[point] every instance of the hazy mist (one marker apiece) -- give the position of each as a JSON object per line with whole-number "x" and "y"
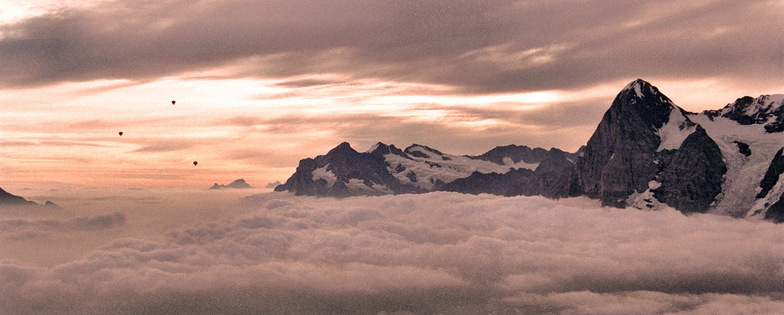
{"x": 188, "y": 251}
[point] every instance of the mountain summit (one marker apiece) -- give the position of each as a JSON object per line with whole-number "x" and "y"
{"x": 646, "y": 145}
{"x": 238, "y": 183}
{"x": 645, "y": 153}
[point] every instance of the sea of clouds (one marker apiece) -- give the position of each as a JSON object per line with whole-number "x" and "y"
{"x": 429, "y": 253}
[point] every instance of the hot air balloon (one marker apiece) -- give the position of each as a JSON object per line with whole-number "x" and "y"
{"x": 195, "y": 162}
{"x": 121, "y": 133}
{"x": 174, "y": 102}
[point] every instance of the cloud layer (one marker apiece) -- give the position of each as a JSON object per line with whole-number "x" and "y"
{"x": 478, "y": 47}
{"x": 431, "y": 253}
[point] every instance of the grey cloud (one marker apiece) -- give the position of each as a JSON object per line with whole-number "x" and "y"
{"x": 307, "y": 83}
{"x": 364, "y": 130}
{"x": 27, "y": 229}
{"x": 431, "y": 253}
{"x": 167, "y": 146}
{"x": 488, "y": 46}
{"x": 244, "y": 121}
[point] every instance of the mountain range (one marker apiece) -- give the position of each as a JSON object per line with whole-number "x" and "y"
{"x": 645, "y": 153}
{"x": 10, "y": 200}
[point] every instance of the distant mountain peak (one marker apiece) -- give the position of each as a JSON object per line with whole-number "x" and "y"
{"x": 343, "y": 147}
{"x": 238, "y": 183}
{"x": 637, "y": 86}
{"x": 7, "y": 198}
{"x": 381, "y": 149}
{"x": 767, "y": 110}
{"x": 642, "y": 99}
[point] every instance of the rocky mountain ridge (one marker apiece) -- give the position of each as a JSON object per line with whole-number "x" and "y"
{"x": 237, "y": 184}
{"x": 9, "y": 200}
{"x": 646, "y": 153}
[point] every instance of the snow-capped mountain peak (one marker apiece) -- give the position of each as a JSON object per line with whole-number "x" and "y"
{"x": 766, "y": 110}
{"x": 646, "y": 152}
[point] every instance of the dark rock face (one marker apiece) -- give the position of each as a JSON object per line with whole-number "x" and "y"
{"x": 619, "y": 156}
{"x": 743, "y": 148}
{"x": 692, "y": 178}
{"x": 514, "y": 152}
{"x": 623, "y": 155}
{"x": 515, "y": 182}
{"x": 771, "y": 177}
{"x": 776, "y": 211}
{"x": 554, "y": 174}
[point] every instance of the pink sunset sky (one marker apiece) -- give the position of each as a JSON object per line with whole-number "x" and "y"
{"x": 260, "y": 85}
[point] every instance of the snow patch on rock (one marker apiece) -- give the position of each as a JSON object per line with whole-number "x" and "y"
{"x": 645, "y": 200}
{"x": 441, "y": 167}
{"x": 741, "y": 182}
{"x": 323, "y": 173}
{"x": 675, "y": 131}
{"x": 356, "y": 184}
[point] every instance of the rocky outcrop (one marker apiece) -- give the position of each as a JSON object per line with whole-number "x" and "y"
{"x": 236, "y": 184}
{"x": 776, "y": 211}
{"x": 771, "y": 177}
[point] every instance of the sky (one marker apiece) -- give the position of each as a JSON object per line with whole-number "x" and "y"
{"x": 156, "y": 252}
{"x": 260, "y": 85}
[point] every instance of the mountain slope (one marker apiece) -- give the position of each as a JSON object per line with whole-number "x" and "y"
{"x": 749, "y": 146}
{"x": 646, "y": 144}
{"x": 645, "y": 153}
{"x": 8, "y": 199}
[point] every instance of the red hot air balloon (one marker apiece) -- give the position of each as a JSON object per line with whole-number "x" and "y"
{"x": 120, "y": 133}
{"x": 174, "y": 102}
{"x": 195, "y": 162}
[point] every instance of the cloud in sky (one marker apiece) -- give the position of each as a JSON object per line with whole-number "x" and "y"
{"x": 431, "y": 253}
{"x": 296, "y": 78}
{"x": 488, "y": 46}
